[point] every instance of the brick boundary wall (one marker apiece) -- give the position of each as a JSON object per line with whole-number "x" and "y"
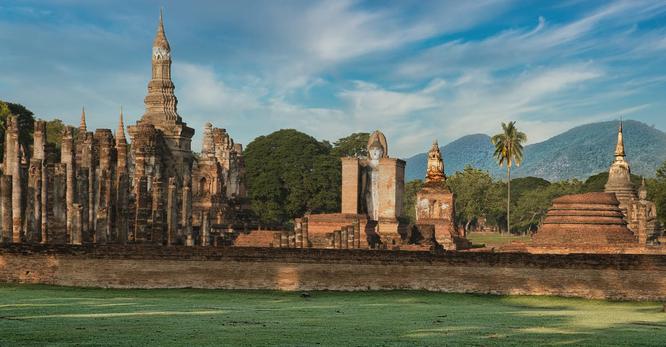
{"x": 609, "y": 276}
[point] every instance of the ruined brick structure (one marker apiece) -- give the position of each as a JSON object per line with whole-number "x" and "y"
{"x": 435, "y": 205}
{"x": 640, "y": 213}
{"x": 372, "y": 193}
{"x": 100, "y": 191}
{"x": 594, "y": 219}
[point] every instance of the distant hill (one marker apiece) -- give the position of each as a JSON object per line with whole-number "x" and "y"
{"x": 577, "y": 153}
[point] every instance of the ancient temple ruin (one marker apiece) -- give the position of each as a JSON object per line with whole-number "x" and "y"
{"x": 619, "y": 220}
{"x": 594, "y": 219}
{"x": 372, "y": 193}
{"x": 435, "y": 205}
{"x": 100, "y": 189}
{"x": 640, "y": 213}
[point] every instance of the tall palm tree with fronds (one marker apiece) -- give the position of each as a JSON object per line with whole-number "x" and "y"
{"x": 508, "y": 150}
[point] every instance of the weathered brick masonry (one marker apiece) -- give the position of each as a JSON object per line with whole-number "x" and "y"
{"x": 615, "y": 276}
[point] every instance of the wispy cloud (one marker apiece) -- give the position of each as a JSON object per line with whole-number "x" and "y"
{"x": 417, "y": 70}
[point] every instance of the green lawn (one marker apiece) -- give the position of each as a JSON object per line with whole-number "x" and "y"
{"x": 44, "y": 315}
{"x": 496, "y": 239}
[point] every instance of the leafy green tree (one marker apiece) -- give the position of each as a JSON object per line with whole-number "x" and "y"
{"x": 25, "y": 122}
{"x": 290, "y": 173}
{"x": 597, "y": 182}
{"x": 323, "y": 186}
{"x": 532, "y": 205}
{"x": 657, "y": 192}
{"x": 54, "y": 130}
{"x": 409, "y": 200}
{"x": 473, "y": 189}
{"x": 354, "y": 145}
{"x": 522, "y": 185}
{"x": 508, "y": 150}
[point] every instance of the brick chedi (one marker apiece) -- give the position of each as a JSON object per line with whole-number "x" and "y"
{"x": 619, "y": 175}
{"x": 435, "y": 205}
{"x": 161, "y": 111}
{"x": 101, "y": 189}
{"x": 639, "y": 213}
{"x": 590, "y": 219}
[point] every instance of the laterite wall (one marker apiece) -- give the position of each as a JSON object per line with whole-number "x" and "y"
{"x": 616, "y": 276}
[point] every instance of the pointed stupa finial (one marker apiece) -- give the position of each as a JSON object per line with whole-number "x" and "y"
{"x": 619, "y": 147}
{"x": 120, "y": 133}
{"x": 83, "y": 127}
{"x": 160, "y": 38}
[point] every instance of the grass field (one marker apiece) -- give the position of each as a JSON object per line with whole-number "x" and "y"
{"x": 495, "y": 239}
{"x": 44, "y": 315}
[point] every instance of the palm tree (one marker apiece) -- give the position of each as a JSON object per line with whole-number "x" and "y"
{"x": 509, "y": 150}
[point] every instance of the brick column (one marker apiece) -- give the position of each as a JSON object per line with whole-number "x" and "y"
{"x": 186, "y": 213}
{"x": 45, "y": 203}
{"x": 6, "y": 204}
{"x": 172, "y": 213}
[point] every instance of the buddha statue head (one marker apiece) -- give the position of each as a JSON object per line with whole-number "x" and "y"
{"x": 377, "y": 146}
{"x": 375, "y": 151}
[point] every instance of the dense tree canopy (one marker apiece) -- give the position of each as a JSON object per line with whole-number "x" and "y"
{"x": 409, "y": 199}
{"x": 354, "y": 145}
{"x": 290, "y": 173}
{"x": 477, "y": 195}
{"x": 54, "y": 131}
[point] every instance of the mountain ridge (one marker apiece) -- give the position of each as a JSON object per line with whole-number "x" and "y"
{"x": 579, "y": 152}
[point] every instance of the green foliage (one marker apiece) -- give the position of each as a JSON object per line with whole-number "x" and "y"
{"x": 524, "y": 184}
{"x": 25, "y": 120}
{"x": 508, "y": 150}
{"x": 661, "y": 171}
{"x": 54, "y": 131}
{"x": 656, "y": 188}
{"x": 354, "y": 145}
{"x": 290, "y": 173}
{"x": 532, "y": 204}
{"x": 597, "y": 182}
{"x": 509, "y": 145}
{"x": 409, "y": 200}
{"x": 475, "y": 196}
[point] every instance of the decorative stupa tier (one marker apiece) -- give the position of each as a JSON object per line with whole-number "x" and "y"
{"x": 435, "y": 169}
{"x": 590, "y": 218}
{"x": 619, "y": 175}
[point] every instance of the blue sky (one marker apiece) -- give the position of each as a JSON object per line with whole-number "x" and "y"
{"x": 417, "y": 70}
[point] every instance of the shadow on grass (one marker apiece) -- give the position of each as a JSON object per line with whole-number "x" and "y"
{"x": 38, "y": 314}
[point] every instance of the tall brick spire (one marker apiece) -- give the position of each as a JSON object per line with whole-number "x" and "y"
{"x": 83, "y": 128}
{"x": 161, "y": 101}
{"x": 619, "y": 147}
{"x": 120, "y": 132}
{"x": 161, "y": 113}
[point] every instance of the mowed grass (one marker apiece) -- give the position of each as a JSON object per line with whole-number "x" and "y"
{"x": 496, "y": 239}
{"x": 45, "y": 315}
